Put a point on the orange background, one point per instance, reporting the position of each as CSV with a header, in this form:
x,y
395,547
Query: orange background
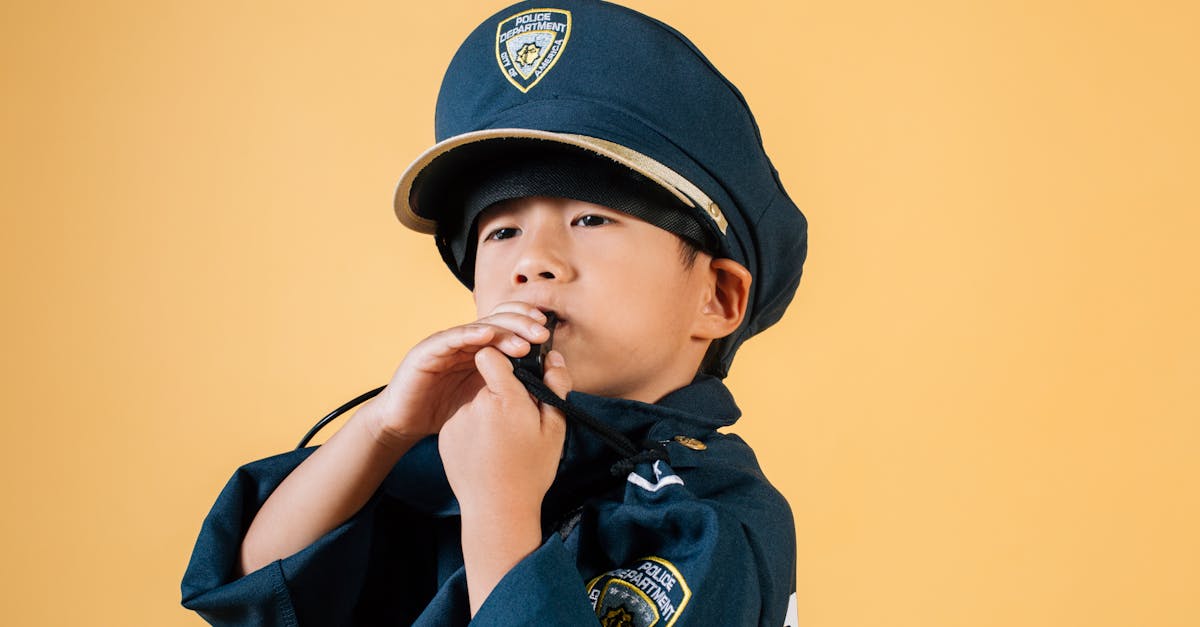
x,y
981,405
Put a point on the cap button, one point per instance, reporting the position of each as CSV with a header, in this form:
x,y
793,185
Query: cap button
x,y
692,443
715,211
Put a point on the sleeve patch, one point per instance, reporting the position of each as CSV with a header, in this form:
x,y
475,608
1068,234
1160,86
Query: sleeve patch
x,y
650,593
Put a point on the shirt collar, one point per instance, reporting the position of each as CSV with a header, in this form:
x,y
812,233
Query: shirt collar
x,y
695,410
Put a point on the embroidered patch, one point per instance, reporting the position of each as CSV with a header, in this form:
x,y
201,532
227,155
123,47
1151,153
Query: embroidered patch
x,y
529,43
660,480
651,593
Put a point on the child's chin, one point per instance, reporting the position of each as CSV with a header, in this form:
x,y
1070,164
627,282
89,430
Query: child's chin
x,y
610,389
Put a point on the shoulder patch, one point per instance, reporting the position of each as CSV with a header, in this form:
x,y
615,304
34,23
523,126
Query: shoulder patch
x,y
529,43
650,593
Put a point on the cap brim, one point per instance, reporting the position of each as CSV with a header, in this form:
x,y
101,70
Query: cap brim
x,y
411,215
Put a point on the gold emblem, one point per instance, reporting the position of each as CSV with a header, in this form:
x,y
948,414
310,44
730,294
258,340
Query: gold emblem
x,y
617,617
692,443
528,54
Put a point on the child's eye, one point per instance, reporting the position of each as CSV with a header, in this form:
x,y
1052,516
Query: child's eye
x,y
502,233
592,220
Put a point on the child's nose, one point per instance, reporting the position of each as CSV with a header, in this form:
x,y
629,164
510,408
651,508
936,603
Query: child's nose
x,y
524,278
543,259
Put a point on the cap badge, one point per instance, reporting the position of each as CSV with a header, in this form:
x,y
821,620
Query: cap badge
x,y
529,43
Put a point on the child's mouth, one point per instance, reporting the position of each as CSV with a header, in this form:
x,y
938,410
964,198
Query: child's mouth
x,y
555,324
552,315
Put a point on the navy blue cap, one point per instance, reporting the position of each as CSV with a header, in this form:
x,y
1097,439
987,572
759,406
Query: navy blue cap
x,y
611,82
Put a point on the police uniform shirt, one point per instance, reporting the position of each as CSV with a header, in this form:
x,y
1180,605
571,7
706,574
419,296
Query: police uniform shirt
x,y
701,539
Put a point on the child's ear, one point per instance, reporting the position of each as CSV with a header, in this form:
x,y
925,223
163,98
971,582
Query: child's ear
x,y
725,300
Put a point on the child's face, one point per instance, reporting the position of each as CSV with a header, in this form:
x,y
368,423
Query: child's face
x,y
628,307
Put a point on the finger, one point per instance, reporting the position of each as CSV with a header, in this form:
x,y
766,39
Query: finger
x,y
474,335
558,379
511,333
528,327
520,307
451,347
556,376
497,373
477,335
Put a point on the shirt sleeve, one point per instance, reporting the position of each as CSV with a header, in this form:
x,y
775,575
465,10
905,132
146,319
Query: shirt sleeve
x,y
275,593
545,588
676,560
349,575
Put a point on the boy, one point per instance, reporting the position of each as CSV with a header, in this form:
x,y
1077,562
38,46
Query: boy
x,y
590,163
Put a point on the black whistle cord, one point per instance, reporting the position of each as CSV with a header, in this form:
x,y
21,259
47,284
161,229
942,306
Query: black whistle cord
x,y
631,455
335,413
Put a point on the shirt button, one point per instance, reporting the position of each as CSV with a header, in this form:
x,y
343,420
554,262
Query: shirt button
x,y
692,443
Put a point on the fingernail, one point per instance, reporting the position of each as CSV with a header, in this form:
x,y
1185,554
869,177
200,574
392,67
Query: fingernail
x,y
538,315
556,359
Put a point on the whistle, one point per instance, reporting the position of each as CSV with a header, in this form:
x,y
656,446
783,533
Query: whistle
x,y
536,356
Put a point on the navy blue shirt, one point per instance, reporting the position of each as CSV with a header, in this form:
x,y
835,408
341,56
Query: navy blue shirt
x,y
701,539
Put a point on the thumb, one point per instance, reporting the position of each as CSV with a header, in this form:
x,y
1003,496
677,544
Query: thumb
x,y
497,372
558,379
556,376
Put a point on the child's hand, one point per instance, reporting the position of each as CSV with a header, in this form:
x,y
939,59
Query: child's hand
x,y
501,450
439,374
